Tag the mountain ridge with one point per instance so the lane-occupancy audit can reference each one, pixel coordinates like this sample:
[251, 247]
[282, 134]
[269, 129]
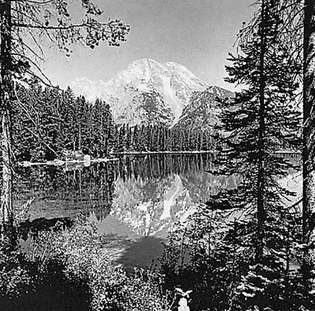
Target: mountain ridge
[147, 92]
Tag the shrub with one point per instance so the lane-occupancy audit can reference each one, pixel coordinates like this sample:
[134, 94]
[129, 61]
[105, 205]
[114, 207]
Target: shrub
[36, 285]
[85, 256]
[15, 275]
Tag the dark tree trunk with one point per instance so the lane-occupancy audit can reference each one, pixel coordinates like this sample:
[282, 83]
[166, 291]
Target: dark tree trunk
[7, 218]
[309, 116]
[308, 128]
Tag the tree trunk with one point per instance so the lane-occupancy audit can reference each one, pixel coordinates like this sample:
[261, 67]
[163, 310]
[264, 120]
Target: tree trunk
[6, 191]
[308, 133]
[7, 217]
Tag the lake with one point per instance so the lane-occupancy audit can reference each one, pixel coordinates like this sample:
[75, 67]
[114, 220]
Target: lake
[134, 201]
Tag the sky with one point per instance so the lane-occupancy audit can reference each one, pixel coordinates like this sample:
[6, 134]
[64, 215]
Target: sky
[195, 33]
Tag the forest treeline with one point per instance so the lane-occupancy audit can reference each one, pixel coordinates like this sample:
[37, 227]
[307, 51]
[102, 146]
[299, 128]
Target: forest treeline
[160, 138]
[47, 122]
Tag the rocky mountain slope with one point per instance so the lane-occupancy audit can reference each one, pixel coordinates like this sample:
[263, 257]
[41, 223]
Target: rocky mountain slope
[202, 111]
[148, 92]
[145, 86]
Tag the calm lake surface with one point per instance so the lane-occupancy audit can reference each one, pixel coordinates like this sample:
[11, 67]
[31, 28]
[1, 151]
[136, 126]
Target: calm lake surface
[135, 201]
[144, 194]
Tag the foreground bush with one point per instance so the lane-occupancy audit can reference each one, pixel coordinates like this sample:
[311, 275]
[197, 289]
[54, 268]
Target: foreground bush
[39, 285]
[73, 270]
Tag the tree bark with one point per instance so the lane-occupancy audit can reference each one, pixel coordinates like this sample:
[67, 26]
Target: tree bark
[308, 130]
[7, 216]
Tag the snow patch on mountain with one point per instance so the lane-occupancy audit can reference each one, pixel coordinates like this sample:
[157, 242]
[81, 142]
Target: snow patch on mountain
[174, 82]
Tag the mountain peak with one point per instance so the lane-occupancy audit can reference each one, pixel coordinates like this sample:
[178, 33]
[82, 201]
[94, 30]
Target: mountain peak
[126, 91]
[148, 92]
[176, 67]
[145, 61]
[148, 63]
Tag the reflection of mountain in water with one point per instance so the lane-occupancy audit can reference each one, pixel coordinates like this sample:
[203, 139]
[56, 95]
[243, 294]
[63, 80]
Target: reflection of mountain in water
[166, 191]
[144, 195]
[149, 206]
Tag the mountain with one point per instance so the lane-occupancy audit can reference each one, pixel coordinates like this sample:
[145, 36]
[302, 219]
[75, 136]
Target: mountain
[202, 111]
[146, 92]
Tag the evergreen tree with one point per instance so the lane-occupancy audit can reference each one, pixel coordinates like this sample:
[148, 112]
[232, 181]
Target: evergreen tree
[51, 122]
[135, 138]
[109, 131]
[256, 123]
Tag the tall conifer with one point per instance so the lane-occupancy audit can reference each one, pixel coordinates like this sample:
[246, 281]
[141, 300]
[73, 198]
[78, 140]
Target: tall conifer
[256, 123]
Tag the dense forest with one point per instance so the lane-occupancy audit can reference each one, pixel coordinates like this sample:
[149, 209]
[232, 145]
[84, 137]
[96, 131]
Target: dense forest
[160, 138]
[48, 121]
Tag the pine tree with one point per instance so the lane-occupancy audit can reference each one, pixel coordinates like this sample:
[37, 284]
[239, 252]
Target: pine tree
[109, 130]
[128, 138]
[135, 138]
[257, 122]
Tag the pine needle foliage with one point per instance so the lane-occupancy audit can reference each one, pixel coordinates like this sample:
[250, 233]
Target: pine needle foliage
[261, 120]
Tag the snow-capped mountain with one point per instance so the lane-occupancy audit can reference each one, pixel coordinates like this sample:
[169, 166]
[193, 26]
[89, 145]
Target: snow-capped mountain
[145, 86]
[202, 112]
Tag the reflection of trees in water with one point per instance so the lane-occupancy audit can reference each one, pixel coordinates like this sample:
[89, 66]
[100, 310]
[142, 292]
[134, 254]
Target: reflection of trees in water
[157, 166]
[138, 179]
[154, 170]
[147, 178]
[83, 190]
